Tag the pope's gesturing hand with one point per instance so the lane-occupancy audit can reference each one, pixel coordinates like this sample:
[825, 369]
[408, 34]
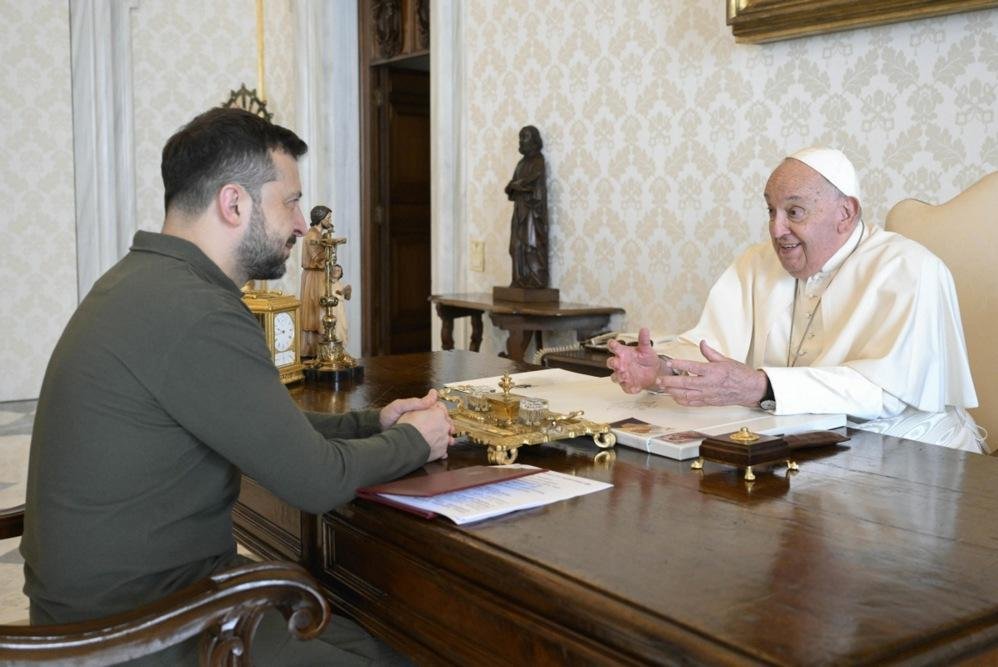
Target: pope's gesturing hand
[718, 381]
[634, 368]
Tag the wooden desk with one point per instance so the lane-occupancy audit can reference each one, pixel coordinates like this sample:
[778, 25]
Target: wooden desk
[883, 552]
[521, 320]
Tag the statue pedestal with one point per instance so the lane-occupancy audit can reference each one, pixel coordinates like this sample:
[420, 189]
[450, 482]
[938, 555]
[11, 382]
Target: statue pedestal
[333, 364]
[526, 294]
[334, 376]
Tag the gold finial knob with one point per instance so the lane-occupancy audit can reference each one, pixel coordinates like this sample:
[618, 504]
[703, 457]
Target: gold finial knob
[506, 383]
[744, 435]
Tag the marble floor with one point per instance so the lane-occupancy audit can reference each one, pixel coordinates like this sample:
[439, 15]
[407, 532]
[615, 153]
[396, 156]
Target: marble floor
[15, 434]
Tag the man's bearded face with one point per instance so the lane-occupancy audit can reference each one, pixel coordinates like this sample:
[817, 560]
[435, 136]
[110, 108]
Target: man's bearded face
[263, 255]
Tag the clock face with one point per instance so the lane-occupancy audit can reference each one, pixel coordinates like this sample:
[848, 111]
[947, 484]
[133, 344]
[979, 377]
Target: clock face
[284, 332]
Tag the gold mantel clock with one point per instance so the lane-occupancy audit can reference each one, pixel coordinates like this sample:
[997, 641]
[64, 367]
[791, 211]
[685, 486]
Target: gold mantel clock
[279, 316]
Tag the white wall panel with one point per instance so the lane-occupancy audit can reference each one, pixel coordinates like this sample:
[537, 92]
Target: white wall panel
[37, 227]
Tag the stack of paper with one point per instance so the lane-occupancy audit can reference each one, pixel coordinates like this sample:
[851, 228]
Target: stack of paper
[649, 421]
[478, 496]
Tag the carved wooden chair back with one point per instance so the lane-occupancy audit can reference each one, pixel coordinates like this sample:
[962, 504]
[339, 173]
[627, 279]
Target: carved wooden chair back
[223, 609]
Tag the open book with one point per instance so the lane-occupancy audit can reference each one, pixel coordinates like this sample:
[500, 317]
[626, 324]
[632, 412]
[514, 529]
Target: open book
[480, 492]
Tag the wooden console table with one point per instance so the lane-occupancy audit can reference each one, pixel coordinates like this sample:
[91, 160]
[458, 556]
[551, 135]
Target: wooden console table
[521, 320]
[882, 552]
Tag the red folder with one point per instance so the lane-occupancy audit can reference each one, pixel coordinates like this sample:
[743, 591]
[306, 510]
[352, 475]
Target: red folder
[435, 484]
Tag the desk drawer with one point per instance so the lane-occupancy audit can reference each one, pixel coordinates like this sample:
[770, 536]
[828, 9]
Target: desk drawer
[437, 616]
[267, 525]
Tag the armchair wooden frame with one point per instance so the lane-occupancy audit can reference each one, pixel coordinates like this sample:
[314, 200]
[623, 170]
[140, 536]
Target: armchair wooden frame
[224, 609]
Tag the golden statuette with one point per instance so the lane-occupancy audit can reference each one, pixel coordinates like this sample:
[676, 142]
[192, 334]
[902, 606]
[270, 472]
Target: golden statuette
[331, 359]
[504, 421]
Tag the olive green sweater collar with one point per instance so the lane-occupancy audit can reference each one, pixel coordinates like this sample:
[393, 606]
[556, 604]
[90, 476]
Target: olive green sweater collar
[185, 251]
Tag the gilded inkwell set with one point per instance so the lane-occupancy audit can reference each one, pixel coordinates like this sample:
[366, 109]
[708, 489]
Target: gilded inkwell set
[504, 421]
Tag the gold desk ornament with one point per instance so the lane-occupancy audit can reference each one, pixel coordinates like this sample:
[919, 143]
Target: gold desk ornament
[744, 435]
[745, 449]
[331, 361]
[279, 315]
[505, 409]
[493, 419]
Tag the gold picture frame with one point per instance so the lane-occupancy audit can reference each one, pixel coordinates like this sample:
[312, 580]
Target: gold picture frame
[756, 21]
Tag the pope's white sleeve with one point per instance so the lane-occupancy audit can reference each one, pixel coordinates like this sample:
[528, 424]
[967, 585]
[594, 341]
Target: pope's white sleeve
[829, 390]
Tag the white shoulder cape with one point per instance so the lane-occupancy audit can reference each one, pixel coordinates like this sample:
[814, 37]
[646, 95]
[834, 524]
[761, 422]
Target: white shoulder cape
[891, 314]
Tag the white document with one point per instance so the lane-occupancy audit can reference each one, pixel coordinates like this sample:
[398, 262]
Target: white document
[601, 400]
[527, 380]
[490, 500]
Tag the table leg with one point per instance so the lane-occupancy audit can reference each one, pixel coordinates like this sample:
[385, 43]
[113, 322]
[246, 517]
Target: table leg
[447, 328]
[447, 316]
[476, 332]
[516, 344]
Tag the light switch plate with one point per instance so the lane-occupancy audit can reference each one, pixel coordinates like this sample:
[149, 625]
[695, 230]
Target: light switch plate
[478, 256]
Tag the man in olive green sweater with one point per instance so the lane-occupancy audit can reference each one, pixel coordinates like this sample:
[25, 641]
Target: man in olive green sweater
[161, 391]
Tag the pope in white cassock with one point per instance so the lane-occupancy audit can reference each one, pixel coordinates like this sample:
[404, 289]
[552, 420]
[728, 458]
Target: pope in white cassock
[835, 315]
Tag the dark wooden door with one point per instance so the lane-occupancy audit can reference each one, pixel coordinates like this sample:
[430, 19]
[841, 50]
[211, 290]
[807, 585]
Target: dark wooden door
[401, 199]
[395, 175]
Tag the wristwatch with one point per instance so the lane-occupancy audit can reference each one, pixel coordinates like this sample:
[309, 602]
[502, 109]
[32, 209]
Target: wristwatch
[768, 401]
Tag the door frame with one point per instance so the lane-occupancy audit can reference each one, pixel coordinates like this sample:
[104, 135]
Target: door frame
[448, 237]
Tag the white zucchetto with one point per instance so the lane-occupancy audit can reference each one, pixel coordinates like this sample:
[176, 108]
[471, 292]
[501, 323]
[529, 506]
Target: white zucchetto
[833, 165]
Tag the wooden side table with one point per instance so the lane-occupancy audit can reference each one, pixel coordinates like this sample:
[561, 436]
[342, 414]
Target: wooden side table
[522, 320]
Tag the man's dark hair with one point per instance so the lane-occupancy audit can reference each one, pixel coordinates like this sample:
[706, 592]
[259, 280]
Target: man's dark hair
[222, 145]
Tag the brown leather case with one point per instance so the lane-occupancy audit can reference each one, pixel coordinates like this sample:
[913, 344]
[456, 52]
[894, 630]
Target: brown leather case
[814, 439]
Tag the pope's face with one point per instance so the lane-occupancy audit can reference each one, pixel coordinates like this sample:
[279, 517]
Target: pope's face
[808, 218]
[275, 222]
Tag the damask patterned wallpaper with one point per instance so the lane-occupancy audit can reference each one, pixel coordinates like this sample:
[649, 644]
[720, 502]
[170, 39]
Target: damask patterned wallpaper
[660, 132]
[37, 228]
[189, 55]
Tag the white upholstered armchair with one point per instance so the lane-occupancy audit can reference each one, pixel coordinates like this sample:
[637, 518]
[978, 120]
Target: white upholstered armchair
[963, 232]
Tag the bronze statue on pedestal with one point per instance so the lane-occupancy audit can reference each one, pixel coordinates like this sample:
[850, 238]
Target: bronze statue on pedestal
[528, 238]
